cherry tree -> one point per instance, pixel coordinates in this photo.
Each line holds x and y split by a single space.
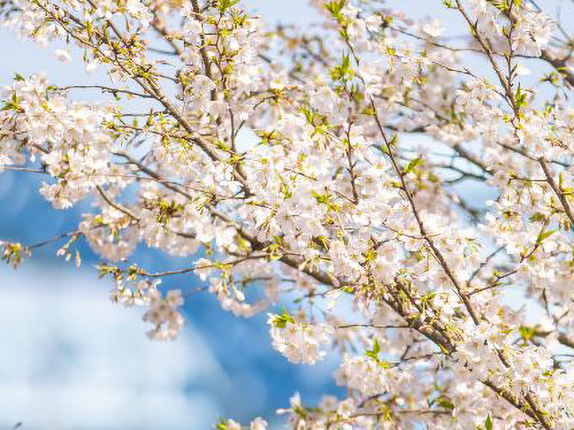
324 171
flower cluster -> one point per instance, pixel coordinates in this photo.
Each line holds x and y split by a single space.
162 313
298 340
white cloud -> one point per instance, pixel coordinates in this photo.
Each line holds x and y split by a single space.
70 359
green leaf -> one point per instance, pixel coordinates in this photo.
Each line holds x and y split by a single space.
374 353
526 332
226 4
520 98
537 217
334 7
282 320
343 72
413 164
221 425
445 402
544 235
488 423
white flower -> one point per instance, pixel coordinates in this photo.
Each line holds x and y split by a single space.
63 55
92 66
521 70
138 10
258 424
300 342
433 28
162 313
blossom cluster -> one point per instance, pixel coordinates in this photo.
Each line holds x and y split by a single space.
297 340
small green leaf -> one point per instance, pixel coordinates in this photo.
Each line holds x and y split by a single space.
544 235
413 164
374 352
445 402
526 332
520 98
226 4
282 320
488 423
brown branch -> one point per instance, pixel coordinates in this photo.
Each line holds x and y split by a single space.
559 193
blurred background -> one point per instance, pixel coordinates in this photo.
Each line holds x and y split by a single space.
70 359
